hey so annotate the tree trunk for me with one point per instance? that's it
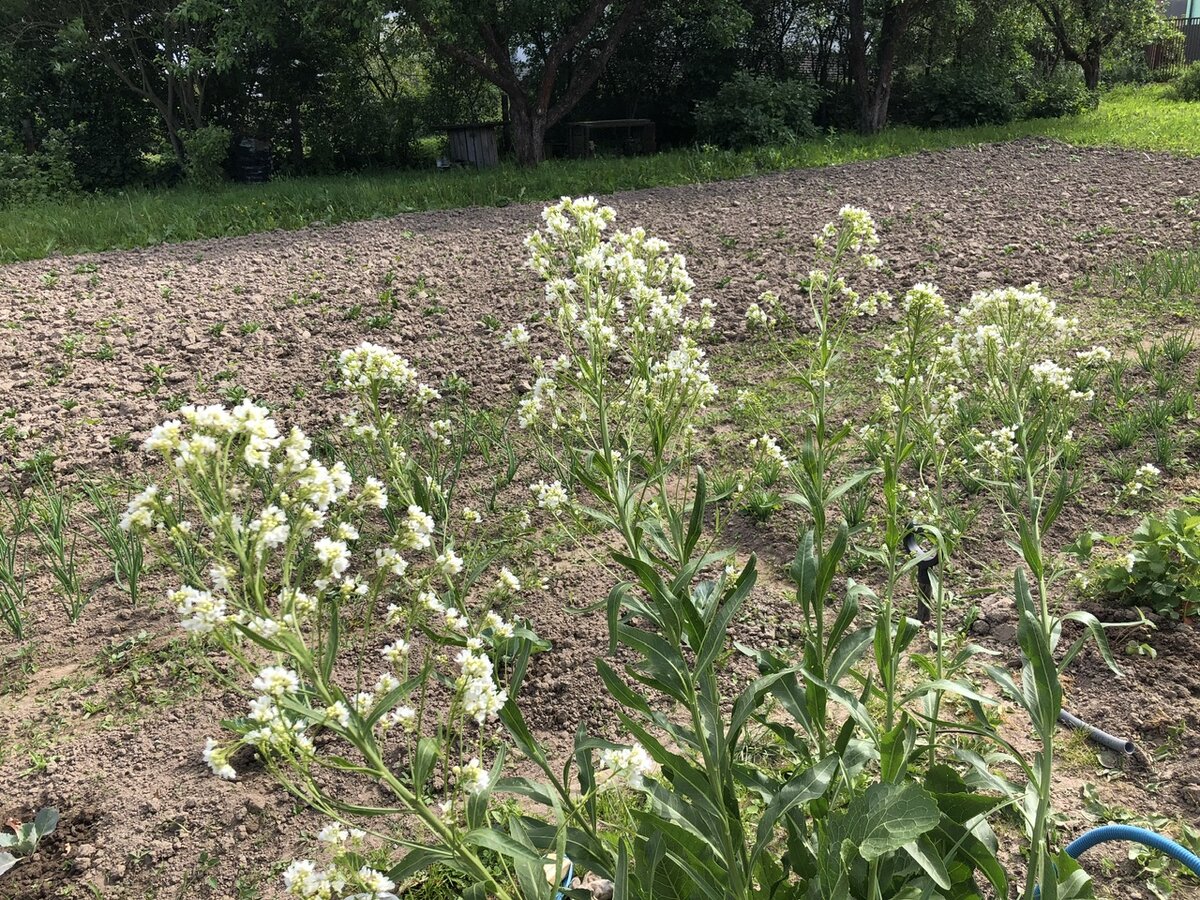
(1091, 68)
(873, 109)
(529, 133)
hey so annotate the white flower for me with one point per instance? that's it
(333, 555)
(1095, 356)
(472, 777)
(631, 765)
(1049, 374)
(471, 516)
(301, 879)
(373, 493)
(449, 563)
(390, 559)
(549, 496)
(375, 883)
(218, 760)
(386, 683)
(333, 834)
(369, 364)
(507, 582)
(404, 716)
(395, 651)
(418, 526)
(200, 611)
(276, 681)
(165, 438)
(517, 336)
(756, 317)
(769, 449)
(338, 712)
(477, 691)
(139, 516)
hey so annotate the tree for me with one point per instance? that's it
(874, 53)
(526, 50)
(1085, 29)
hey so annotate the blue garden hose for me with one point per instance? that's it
(570, 876)
(1144, 836)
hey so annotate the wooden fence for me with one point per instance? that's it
(1176, 54)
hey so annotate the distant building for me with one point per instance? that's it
(1186, 9)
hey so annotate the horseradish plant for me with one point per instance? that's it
(358, 600)
(370, 652)
(1031, 379)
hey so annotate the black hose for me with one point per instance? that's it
(1103, 738)
(929, 559)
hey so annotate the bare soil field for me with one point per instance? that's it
(106, 718)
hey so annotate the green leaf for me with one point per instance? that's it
(926, 856)
(501, 843)
(418, 861)
(885, 818)
(426, 759)
(7, 861)
(801, 788)
(1096, 630)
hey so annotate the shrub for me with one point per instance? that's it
(754, 110)
(1187, 85)
(29, 177)
(1060, 94)
(1162, 570)
(953, 98)
(207, 149)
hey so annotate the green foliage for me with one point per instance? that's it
(1162, 570)
(961, 96)
(138, 218)
(21, 843)
(1060, 94)
(1187, 85)
(756, 111)
(207, 150)
(43, 174)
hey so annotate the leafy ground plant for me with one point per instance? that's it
(1162, 570)
(23, 841)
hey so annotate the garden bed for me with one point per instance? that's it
(107, 717)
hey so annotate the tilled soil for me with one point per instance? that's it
(106, 718)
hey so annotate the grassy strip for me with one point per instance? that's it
(1140, 118)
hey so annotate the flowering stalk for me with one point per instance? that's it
(613, 413)
(1014, 345)
(264, 538)
(918, 404)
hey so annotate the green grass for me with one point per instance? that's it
(1141, 118)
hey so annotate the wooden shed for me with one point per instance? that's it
(474, 144)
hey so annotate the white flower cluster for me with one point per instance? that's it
(855, 230)
(472, 777)
(628, 765)
(1145, 479)
(622, 305)
(303, 879)
(1000, 450)
(766, 449)
(760, 315)
(476, 687)
(1012, 321)
(550, 496)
